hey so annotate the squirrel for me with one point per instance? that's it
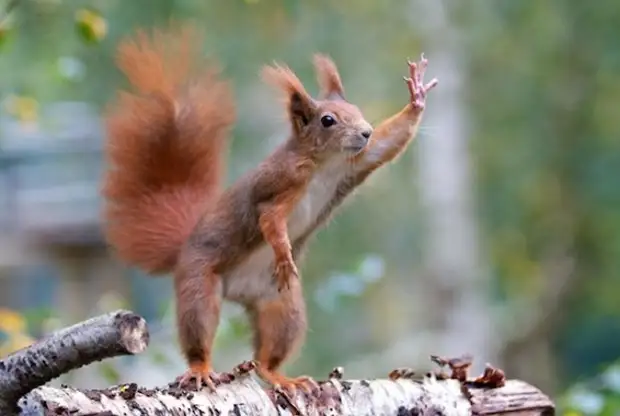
(165, 210)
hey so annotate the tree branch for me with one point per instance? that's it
(106, 336)
(123, 332)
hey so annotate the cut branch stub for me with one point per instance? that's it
(117, 333)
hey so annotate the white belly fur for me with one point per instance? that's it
(249, 280)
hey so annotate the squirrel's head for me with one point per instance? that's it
(327, 125)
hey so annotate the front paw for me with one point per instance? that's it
(415, 84)
(285, 270)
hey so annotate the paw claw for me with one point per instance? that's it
(291, 385)
(423, 60)
(314, 387)
(208, 378)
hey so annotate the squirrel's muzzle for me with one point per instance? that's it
(357, 142)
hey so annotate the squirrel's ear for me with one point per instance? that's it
(301, 107)
(328, 78)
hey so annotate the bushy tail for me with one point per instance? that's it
(165, 147)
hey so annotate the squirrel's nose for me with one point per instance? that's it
(366, 133)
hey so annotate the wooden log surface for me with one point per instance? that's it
(24, 373)
(245, 397)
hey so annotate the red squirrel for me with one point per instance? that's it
(165, 209)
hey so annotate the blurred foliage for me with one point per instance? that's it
(598, 396)
(13, 332)
(24, 109)
(545, 82)
(109, 373)
(90, 25)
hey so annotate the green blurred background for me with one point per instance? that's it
(497, 232)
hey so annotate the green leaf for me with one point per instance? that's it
(90, 25)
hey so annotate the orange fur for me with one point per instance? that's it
(273, 224)
(281, 77)
(328, 77)
(165, 209)
(389, 139)
(393, 135)
(156, 189)
(279, 330)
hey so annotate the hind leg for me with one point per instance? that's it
(199, 298)
(279, 329)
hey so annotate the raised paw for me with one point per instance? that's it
(198, 378)
(285, 270)
(415, 83)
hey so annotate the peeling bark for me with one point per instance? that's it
(106, 336)
(245, 397)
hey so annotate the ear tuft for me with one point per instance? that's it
(281, 77)
(300, 104)
(328, 77)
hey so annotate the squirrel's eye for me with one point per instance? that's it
(327, 121)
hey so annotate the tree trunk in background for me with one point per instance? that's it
(456, 275)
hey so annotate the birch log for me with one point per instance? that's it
(123, 332)
(245, 397)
